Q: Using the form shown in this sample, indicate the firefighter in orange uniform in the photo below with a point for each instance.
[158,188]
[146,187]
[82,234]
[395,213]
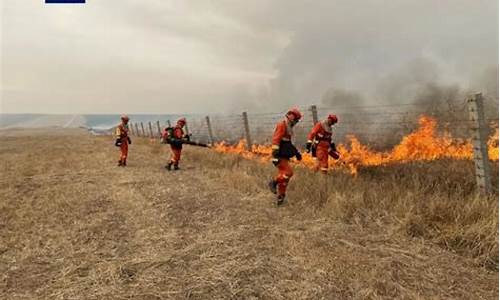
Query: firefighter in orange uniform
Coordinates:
[176,144]
[282,151]
[123,140]
[319,142]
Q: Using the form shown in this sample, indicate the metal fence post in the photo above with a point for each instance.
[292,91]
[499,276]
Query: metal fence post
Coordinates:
[186,128]
[150,130]
[247,131]
[137,129]
[210,133]
[159,128]
[314,112]
[479,143]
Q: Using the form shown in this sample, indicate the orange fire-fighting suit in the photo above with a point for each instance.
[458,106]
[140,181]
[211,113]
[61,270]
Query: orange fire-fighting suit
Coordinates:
[321,138]
[122,140]
[176,149]
[282,133]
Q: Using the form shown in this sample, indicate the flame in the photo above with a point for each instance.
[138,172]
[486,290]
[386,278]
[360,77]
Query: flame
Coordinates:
[423,144]
[493,146]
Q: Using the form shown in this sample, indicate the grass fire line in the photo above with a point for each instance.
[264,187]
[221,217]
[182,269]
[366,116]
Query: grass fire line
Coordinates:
[423,144]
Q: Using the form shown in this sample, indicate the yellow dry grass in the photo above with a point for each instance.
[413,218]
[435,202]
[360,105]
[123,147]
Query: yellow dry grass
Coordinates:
[75,226]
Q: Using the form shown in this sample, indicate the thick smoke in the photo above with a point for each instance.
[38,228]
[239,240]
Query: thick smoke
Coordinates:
[339,97]
[228,56]
[384,51]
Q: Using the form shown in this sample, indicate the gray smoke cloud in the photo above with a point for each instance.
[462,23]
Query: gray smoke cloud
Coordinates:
[227,56]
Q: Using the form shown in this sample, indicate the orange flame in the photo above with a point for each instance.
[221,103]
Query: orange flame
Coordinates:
[425,143]
[493,146]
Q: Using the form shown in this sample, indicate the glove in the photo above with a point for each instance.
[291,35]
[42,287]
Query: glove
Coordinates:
[118,142]
[334,154]
[275,153]
[275,161]
[298,156]
[333,147]
[308,146]
[129,140]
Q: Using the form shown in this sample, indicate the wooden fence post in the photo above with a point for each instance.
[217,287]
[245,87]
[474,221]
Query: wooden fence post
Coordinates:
[169,124]
[143,132]
[131,129]
[314,111]
[247,131]
[159,128]
[479,138]
[210,133]
[150,130]
[137,130]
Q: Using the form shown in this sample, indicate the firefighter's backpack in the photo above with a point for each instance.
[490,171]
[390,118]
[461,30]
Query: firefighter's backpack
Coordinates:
[167,137]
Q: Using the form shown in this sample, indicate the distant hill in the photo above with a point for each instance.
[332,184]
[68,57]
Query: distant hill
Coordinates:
[39,121]
[97,122]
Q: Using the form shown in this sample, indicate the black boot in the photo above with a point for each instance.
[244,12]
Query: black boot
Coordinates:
[280,200]
[176,167]
[169,166]
[272,186]
[120,163]
[124,163]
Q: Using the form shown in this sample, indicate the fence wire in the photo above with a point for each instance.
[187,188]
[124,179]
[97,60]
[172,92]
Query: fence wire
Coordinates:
[379,125]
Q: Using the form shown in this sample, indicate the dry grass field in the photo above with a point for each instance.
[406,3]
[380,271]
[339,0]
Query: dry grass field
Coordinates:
[73,225]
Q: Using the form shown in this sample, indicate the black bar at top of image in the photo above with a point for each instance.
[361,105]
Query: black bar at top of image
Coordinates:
[64,1]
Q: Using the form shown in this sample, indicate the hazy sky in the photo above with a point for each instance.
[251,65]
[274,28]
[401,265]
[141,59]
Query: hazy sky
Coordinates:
[160,56]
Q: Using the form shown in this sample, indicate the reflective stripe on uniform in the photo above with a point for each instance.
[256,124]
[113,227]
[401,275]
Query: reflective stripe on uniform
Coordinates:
[275,147]
[326,127]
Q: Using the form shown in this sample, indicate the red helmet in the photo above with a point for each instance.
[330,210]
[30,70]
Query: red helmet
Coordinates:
[124,117]
[297,115]
[332,118]
[181,121]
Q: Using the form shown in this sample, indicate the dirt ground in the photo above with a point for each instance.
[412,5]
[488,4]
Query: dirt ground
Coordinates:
[73,225]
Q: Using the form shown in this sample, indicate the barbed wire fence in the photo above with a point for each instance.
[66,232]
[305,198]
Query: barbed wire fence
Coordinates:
[381,126]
